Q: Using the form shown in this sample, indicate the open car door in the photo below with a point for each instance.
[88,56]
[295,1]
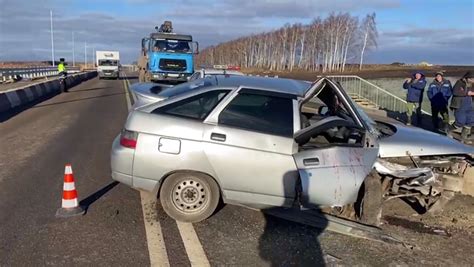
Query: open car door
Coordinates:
[333,171]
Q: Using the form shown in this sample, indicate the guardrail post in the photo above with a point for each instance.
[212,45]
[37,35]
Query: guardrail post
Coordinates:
[377,97]
[360,88]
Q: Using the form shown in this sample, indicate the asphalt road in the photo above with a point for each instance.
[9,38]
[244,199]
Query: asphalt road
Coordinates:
[120,228]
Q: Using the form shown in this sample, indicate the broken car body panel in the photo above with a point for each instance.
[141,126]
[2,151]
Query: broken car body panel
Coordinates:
[417,142]
[341,170]
[253,168]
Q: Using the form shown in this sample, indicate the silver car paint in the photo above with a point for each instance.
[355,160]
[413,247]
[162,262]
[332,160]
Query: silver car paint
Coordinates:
[144,95]
[419,142]
[121,162]
[210,72]
[270,173]
[188,147]
[332,176]
[152,164]
[252,167]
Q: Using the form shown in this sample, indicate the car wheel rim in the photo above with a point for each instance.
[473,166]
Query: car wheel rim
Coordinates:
[190,196]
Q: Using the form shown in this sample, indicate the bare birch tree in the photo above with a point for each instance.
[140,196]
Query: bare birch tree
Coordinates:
[370,34]
[323,45]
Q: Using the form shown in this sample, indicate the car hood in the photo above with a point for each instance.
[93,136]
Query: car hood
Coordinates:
[419,142]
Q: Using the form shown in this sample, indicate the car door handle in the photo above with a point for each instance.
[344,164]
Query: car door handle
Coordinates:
[218,137]
[311,162]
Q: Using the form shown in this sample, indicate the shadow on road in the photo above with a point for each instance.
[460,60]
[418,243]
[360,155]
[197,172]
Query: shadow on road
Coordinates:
[85,203]
[286,243]
[76,100]
[290,242]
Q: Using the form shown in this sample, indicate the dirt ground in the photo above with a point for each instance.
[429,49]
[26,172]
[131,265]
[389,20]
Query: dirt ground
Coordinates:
[458,214]
[444,239]
[433,240]
[369,72]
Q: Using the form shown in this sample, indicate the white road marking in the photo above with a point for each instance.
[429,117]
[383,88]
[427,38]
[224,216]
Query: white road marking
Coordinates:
[125,87]
[133,94]
[193,246]
[154,235]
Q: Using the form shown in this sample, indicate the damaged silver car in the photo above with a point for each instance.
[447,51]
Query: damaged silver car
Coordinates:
[418,166]
[266,142]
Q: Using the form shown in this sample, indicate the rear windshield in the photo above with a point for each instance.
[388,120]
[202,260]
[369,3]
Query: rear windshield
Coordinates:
[185,87]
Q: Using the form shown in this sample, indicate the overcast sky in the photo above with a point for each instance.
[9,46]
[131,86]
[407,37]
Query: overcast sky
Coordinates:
[440,32]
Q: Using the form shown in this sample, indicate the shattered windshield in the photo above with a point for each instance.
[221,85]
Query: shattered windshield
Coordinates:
[174,46]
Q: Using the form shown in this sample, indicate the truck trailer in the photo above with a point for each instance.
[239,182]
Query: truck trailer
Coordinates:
[108,64]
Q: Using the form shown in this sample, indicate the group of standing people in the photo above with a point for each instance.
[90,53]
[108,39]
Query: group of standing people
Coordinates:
[440,92]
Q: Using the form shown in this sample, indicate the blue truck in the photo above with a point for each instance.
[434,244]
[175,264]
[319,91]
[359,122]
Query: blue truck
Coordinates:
[170,56]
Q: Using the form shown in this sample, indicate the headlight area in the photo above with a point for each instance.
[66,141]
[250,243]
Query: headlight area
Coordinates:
[428,181]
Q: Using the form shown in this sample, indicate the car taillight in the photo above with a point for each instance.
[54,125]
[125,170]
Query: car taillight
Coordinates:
[128,139]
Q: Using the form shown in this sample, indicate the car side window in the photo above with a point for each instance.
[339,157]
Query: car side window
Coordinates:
[261,113]
[195,107]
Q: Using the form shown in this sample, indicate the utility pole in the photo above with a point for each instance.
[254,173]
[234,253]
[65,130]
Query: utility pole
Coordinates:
[85,55]
[93,55]
[73,52]
[52,36]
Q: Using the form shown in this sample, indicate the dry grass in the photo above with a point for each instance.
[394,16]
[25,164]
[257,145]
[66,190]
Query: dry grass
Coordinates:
[369,71]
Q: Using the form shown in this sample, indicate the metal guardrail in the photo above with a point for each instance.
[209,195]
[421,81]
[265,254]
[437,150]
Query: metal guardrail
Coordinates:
[355,85]
[30,72]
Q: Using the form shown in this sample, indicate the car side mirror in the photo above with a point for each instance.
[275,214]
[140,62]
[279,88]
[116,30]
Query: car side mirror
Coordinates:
[323,110]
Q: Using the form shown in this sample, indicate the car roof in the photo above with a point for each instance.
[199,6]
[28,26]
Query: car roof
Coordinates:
[219,71]
[280,85]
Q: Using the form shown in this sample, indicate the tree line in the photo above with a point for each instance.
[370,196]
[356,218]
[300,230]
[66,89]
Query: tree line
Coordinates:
[327,44]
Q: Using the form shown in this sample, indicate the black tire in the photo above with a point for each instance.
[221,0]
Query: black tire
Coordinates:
[372,199]
[189,197]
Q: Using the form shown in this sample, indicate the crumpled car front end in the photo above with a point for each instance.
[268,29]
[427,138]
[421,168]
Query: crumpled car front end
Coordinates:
[422,167]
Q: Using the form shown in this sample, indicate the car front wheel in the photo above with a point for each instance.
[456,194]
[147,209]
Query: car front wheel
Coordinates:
[370,206]
[189,197]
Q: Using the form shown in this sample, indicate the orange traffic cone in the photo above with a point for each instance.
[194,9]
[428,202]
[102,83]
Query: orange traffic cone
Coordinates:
[70,206]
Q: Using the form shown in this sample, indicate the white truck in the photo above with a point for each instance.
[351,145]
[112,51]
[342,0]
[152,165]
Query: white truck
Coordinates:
[108,64]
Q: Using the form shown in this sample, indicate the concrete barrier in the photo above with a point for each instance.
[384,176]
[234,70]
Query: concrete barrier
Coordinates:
[18,97]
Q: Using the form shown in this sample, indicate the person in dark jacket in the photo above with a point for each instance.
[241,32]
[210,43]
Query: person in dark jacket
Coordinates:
[416,87]
[463,105]
[439,92]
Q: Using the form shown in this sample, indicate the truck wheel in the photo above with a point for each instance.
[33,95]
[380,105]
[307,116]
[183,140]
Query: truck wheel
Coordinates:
[189,197]
[370,206]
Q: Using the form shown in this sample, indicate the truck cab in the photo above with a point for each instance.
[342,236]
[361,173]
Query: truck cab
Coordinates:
[170,56]
[108,64]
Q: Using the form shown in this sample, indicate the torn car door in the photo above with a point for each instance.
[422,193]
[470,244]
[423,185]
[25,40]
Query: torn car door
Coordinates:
[332,175]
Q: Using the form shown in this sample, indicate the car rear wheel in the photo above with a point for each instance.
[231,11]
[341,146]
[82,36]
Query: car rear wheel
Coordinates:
[189,197]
